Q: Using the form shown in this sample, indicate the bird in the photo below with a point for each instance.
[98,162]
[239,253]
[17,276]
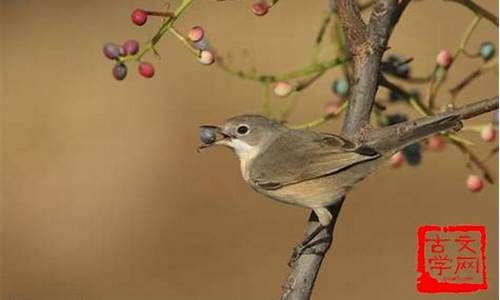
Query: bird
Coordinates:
[302,167]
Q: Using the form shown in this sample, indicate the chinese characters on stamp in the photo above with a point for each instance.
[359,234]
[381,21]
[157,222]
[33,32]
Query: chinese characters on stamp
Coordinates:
[451,259]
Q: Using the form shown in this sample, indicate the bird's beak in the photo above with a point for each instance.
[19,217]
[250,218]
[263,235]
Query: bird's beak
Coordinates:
[222,137]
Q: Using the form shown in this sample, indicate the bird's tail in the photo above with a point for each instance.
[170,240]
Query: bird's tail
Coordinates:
[413,131]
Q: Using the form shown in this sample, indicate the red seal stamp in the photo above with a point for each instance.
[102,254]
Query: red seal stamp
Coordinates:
[451,259]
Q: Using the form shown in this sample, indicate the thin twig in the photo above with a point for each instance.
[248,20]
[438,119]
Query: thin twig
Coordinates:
[478,10]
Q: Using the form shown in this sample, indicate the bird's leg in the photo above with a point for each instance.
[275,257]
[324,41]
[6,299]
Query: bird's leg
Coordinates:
[325,217]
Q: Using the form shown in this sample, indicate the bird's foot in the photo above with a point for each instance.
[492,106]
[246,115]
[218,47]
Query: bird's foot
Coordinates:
[308,249]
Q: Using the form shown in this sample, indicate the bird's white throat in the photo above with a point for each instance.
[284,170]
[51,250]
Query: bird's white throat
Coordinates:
[245,153]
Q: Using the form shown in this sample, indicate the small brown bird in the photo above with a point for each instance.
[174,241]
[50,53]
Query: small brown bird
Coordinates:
[300,167]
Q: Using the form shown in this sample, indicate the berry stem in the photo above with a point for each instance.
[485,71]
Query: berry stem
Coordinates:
[321,120]
[437,82]
[184,41]
[306,71]
[160,14]
[165,26]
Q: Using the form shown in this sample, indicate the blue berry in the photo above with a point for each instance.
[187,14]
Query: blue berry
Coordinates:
[207,135]
[487,50]
[111,50]
[413,154]
[341,87]
[396,65]
[395,119]
[119,71]
[395,96]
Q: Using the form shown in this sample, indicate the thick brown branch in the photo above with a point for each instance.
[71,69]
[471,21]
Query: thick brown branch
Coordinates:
[367,45]
[352,24]
[300,282]
[366,59]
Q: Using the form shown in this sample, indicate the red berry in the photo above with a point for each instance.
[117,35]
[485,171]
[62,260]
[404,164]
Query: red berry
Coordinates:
[122,51]
[131,47]
[139,16]
[282,88]
[332,106]
[397,159]
[435,143]
[196,33]
[259,8]
[488,133]
[146,69]
[474,183]
[444,58]
[206,57]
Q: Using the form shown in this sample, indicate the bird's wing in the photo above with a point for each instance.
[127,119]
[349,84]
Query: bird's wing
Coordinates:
[320,154]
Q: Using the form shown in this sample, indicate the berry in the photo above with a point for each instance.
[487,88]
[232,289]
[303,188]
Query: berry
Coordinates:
[202,44]
[444,59]
[259,8]
[119,71]
[207,135]
[146,69]
[396,118]
[282,88]
[340,87]
[397,65]
[397,160]
[413,154]
[474,183]
[488,133]
[206,57]
[395,96]
[196,34]
[111,50]
[139,17]
[494,117]
[435,143]
[487,50]
[333,106]
[131,47]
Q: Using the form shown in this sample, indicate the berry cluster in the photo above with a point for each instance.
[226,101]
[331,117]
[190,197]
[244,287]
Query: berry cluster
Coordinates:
[118,53]
[200,41]
[196,41]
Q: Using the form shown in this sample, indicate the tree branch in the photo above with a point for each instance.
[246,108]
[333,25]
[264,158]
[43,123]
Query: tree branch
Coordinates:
[367,54]
[478,10]
[367,44]
[300,282]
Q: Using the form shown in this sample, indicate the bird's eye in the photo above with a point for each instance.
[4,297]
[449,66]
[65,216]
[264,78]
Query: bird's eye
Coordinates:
[243,129]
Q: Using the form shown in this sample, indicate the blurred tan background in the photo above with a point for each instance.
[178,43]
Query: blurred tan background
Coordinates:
[105,197]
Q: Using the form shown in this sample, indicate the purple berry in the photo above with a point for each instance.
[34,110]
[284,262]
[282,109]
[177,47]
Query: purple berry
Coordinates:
[111,50]
[119,71]
[131,47]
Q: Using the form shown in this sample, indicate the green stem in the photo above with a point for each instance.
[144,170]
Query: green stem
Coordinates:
[308,70]
[165,26]
[184,41]
[436,83]
[321,120]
